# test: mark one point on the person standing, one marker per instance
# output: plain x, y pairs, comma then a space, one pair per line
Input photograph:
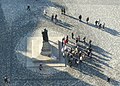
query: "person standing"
56, 18
103, 25
64, 11
28, 7
40, 66
76, 40
87, 20
72, 35
79, 38
52, 17
96, 22
90, 42
80, 17
100, 25
84, 39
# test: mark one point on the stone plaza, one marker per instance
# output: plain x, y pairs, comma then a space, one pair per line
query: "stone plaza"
21, 42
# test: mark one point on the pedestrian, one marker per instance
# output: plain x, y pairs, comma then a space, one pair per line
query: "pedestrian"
40, 66
6, 80
56, 18
84, 39
76, 40
44, 12
87, 20
28, 7
90, 41
96, 22
79, 38
103, 25
52, 17
100, 25
67, 37
64, 11
80, 17
72, 35
108, 79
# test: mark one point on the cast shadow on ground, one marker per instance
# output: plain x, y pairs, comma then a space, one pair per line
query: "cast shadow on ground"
59, 22
30, 76
106, 29
95, 60
93, 67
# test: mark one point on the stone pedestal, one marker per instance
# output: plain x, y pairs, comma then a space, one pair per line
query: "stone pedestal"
46, 49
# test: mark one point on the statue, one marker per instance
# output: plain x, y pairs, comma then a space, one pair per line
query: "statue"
45, 35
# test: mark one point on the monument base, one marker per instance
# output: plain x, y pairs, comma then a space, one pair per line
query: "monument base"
46, 49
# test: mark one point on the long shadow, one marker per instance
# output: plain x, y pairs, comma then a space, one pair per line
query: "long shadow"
71, 17
112, 31
106, 29
87, 69
27, 75
59, 23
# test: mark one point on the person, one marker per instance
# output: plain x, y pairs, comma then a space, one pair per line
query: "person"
103, 25
63, 41
90, 41
79, 38
96, 22
6, 80
76, 40
67, 37
100, 25
40, 66
84, 39
56, 18
28, 7
80, 17
87, 20
64, 11
72, 35
108, 79
44, 12
52, 17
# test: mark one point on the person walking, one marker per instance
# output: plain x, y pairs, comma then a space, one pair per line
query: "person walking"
52, 17
72, 35
84, 39
40, 66
79, 38
28, 7
103, 25
90, 42
87, 20
100, 25
96, 22
56, 18
80, 17
64, 11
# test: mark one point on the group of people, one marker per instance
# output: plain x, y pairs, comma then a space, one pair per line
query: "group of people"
54, 18
99, 25
97, 22
77, 54
63, 11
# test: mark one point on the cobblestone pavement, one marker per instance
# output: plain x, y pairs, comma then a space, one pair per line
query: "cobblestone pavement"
16, 22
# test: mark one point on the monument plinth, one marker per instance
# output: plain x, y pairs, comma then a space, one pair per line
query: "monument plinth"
46, 48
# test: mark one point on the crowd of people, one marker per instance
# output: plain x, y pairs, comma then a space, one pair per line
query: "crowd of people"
75, 54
